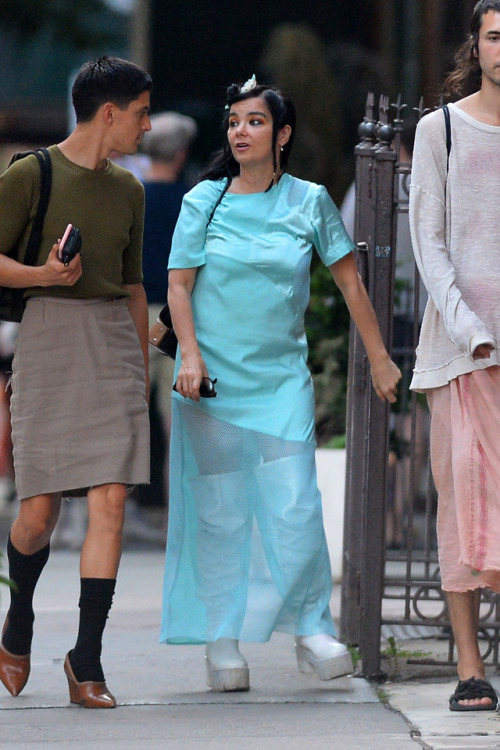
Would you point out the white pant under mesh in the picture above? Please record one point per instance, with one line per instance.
(246, 550)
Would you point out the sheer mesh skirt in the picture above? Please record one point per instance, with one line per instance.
(246, 548)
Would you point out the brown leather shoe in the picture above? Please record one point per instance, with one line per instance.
(87, 694)
(14, 670)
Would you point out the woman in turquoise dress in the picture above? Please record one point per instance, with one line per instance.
(246, 548)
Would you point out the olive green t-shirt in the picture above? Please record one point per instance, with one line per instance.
(107, 206)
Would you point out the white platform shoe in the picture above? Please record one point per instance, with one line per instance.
(227, 669)
(324, 655)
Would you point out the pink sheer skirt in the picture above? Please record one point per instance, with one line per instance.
(465, 457)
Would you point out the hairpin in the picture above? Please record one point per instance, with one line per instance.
(249, 85)
(245, 88)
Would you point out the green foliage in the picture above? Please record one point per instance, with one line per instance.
(337, 442)
(355, 655)
(327, 327)
(383, 695)
(394, 652)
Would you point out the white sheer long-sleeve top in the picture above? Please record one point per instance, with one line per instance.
(455, 230)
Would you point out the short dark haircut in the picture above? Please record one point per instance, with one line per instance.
(466, 77)
(107, 79)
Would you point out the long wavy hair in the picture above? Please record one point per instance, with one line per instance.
(466, 76)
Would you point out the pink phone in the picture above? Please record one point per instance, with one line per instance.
(65, 237)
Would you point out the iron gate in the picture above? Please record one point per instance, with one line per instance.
(390, 568)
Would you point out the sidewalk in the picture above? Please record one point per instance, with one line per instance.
(164, 702)
(163, 699)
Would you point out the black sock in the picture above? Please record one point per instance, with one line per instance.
(25, 571)
(95, 602)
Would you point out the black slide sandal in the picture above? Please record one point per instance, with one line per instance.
(473, 689)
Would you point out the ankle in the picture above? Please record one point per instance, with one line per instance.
(223, 645)
(95, 602)
(25, 571)
(227, 669)
(467, 668)
(86, 668)
(313, 639)
(18, 635)
(321, 646)
(466, 674)
(225, 653)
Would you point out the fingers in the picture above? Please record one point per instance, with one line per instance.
(75, 268)
(389, 395)
(385, 382)
(189, 381)
(71, 272)
(188, 389)
(482, 351)
(57, 274)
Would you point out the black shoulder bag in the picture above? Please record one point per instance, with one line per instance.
(447, 124)
(12, 302)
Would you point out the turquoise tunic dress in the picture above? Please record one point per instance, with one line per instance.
(246, 549)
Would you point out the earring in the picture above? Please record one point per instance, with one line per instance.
(281, 149)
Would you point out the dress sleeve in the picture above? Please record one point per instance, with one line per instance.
(428, 233)
(188, 241)
(330, 236)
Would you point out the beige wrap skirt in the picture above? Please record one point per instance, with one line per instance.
(78, 407)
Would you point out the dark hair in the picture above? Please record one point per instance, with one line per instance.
(466, 77)
(223, 163)
(107, 79)
(282, 112)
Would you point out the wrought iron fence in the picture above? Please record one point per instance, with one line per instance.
(391, 575)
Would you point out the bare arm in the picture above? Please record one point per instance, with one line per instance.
(193, 368)
(385, 374)
(138, 307)
(53, 273)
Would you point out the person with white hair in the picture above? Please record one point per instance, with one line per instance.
(167, 147)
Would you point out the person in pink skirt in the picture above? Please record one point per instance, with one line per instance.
(454, 219)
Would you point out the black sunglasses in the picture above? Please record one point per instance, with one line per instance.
(207, 387)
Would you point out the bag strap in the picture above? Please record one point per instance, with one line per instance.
(447, 124)
(35, 238)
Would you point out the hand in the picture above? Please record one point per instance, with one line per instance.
(482, 351)
(191, 373)
(385, 378)
(55, 273)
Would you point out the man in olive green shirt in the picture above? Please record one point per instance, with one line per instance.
(111, 98)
